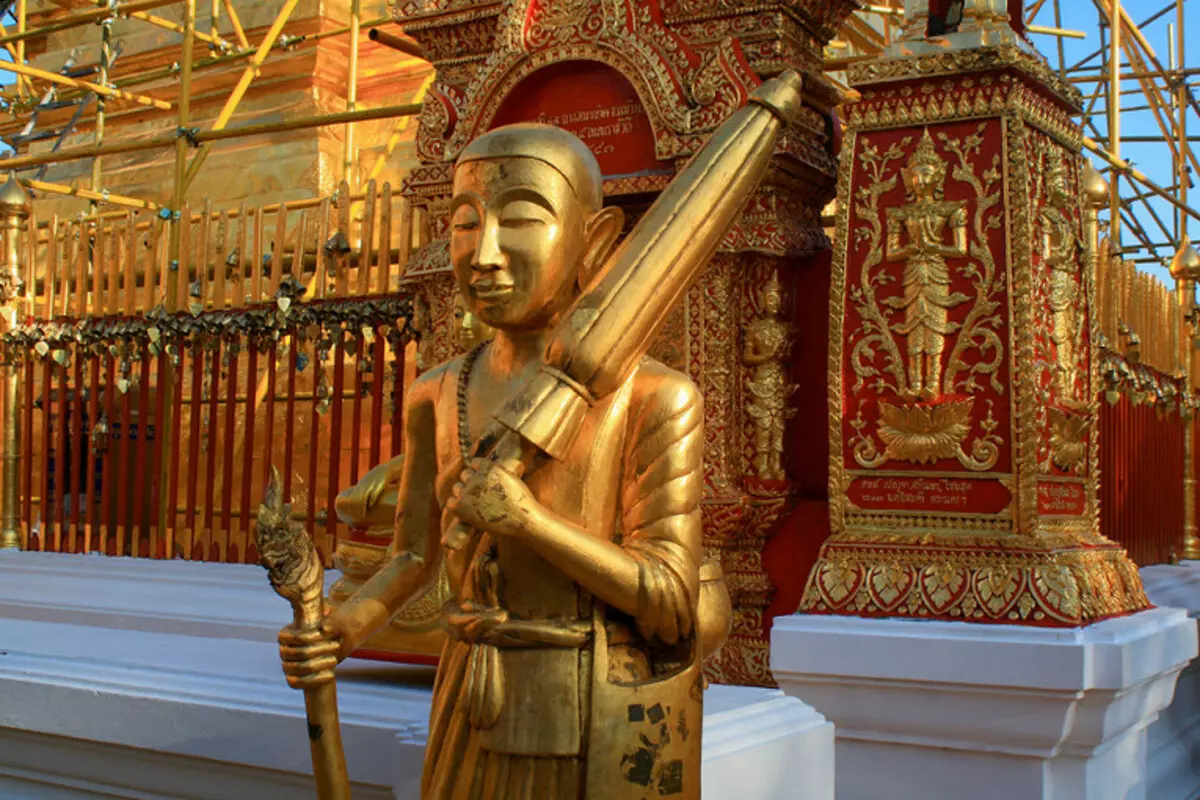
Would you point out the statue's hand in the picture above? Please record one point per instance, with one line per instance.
(490, 498)
(309, 655)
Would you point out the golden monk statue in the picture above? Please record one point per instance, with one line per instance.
(916, 235)
(767, 340)
(1061, 249)
(556, 471)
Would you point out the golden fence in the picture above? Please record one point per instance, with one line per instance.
(340, 246)
(1139, 316)
(289, 352)
(1145, 421)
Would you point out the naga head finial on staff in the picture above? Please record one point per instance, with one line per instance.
(285, 549)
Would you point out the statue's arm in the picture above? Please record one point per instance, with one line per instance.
(958, 226)
(896, 249)
(756, 352)
(654, 573)
(415, 548)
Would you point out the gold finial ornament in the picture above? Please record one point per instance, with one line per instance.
(1095, 188)
(555, 472)
(13, 197)
(1185, 264)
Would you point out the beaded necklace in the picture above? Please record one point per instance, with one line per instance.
(464, 378)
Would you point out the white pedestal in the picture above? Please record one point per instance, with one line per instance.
(161, 681)
(1173, 741)
(944, 710)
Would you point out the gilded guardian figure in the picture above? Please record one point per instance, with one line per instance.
(766, 342)
(917, 234)
(1062, 251)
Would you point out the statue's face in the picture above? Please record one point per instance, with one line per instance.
(923, 179)
(772, 302)
(516, 240)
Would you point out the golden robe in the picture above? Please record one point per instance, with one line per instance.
(538, 693)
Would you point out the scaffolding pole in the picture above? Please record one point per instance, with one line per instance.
(1114, 125)
(77, 83)
(80, 19)
(101, 101)
(348, 171)
(166, 140)
(239, 91)
(171, 299)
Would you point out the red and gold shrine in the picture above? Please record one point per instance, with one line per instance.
(643, 83)
(963, 386)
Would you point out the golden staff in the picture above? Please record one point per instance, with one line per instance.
(297, 576)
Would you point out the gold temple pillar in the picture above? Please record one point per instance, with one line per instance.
(14, 211)
(1185, 269)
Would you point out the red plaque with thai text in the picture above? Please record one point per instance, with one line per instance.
(597, 104)
(1062, 498)
(928, 493)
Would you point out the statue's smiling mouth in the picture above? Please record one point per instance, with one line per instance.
(491, 290)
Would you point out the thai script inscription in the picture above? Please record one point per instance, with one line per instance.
(939, 493)
(1061, 498)
(596, 126)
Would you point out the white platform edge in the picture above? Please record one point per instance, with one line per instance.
(926, 708)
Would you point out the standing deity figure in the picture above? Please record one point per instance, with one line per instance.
(1061, 249)
(766, 341)
(917, 234)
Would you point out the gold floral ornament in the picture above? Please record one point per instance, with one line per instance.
(925, 434)
(1068, 439)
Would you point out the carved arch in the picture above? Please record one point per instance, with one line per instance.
(684, 94)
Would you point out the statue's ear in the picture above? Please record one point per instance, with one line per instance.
(602, 232)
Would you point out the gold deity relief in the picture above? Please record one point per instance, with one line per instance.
(929, 351)
(1062, 341)
(766, 342)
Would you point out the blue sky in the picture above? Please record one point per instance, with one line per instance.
(1154, 159)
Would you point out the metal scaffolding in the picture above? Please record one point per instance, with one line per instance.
(81, 85)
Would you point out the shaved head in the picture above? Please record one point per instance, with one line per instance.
(561, 150)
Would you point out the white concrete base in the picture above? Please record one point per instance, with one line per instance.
(161, 681)
(944, 710)
(1173, 741)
